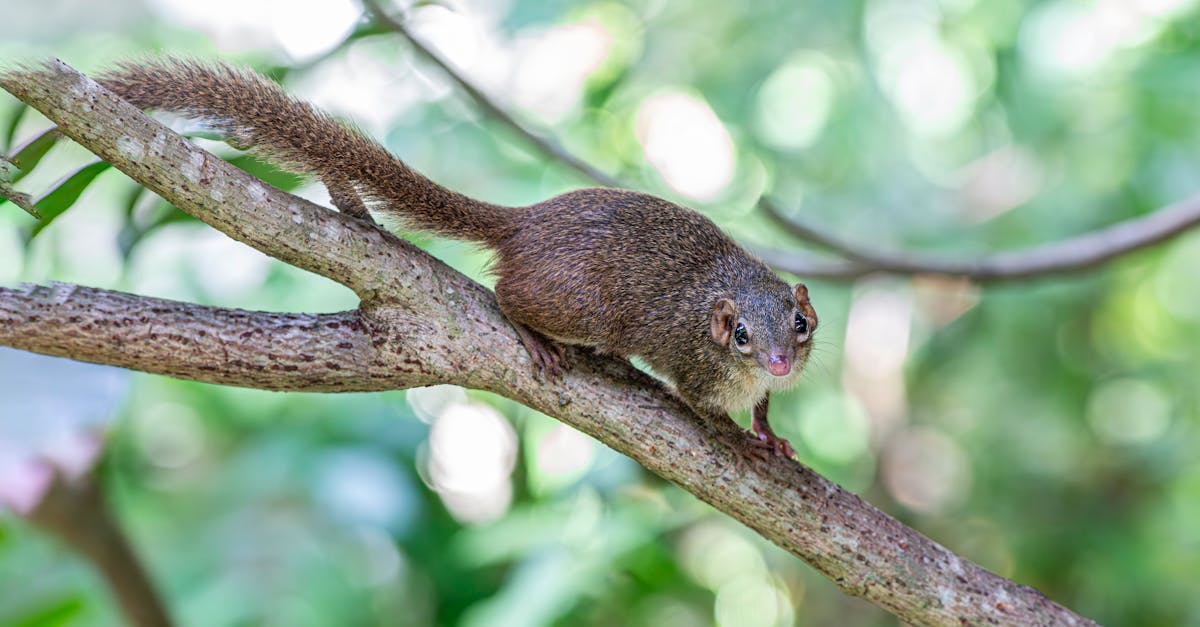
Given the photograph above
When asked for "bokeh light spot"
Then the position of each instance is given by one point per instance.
(926, 471)
(170, 435)
(794, 103)
(1129, 411)
(752, 601)
(552, 68)
(472, 451)
(714, 555)
(686, 143)
(835, 427)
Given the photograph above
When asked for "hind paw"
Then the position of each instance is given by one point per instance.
(549, 357)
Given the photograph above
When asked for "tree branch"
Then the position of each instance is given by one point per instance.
(8, 193)
(423, 317)
(270, 351)
(545, 144)
(1072, 255)
(75, 511)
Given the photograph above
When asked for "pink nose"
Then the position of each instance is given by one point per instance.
(779, 365)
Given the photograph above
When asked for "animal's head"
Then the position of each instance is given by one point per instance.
(769, 327)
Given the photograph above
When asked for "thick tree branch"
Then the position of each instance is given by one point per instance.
(1071, 255)
(1074, 254)
(270, 351)
(424, 317)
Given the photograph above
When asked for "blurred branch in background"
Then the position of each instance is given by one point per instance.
(1075, 254)
(547, 145)
(76, 511)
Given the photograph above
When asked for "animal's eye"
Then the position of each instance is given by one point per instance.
(741, 335)
(801, 323)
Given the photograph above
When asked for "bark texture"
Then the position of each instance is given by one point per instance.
(420, 323)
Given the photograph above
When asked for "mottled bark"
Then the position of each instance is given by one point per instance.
(421, 322)
(269, 351)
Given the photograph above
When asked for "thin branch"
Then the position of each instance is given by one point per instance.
(424, 318)
(810, 232)
(76, 511)
(811, 265)
(7, 192)
(545, 144)
(270, 351)
(1074, 254)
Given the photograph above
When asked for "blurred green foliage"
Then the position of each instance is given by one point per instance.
(1048, 430)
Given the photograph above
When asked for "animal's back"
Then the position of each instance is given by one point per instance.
(611, 268)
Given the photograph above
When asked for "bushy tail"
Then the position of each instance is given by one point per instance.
(257, 114)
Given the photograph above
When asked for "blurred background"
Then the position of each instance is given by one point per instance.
(1048, 430)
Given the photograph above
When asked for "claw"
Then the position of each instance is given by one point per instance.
(764, 437)
(753, 450)
(550, 358)
(768, 443)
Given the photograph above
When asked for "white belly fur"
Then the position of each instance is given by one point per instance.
(753, 386)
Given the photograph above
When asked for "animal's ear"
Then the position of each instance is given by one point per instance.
(724, 313)
(806, 307)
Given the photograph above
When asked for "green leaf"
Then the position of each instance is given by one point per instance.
(130, 232)
(131, 201)
(598, 91)
(205, 134)
(165, 213)
(27, 156)
(59, 612)
(10, 129)
(267, 172)
(64, 193)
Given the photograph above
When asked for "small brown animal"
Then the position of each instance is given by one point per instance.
(623, 272)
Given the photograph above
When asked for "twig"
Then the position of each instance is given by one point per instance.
(7, 192)
(76, 511)
(810, 265)
(548, 146)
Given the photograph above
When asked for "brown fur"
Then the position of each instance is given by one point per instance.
(621, 271)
